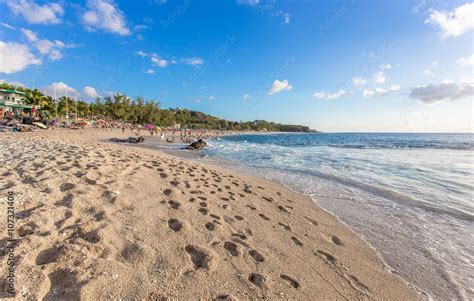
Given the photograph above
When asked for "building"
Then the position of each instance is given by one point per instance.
(12, 101)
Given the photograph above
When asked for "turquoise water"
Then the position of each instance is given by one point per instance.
(409, 195)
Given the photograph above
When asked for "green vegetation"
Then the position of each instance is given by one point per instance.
(140, 111)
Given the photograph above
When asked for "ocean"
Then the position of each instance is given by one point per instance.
(410, 196)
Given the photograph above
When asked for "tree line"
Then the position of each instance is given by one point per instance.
(120, 107)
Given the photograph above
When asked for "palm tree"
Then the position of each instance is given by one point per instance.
(34, 97)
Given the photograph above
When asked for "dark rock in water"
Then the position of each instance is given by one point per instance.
(139, 139)
(197, 145)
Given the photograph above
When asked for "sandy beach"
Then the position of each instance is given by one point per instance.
(99, 221)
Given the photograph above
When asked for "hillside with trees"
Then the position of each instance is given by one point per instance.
(120, 107)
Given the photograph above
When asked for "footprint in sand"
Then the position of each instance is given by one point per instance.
(210, 226)
(174, 204)
(312, 221)
(241, 236)
(109, 196)
(270, 200)
(264, 216)
(217, 217)
(199, 257)
(224, 298)
(66, 186)
(336, 240)
(256, 256)
(132, 252)
(257, 279)
(175, 224)
(232, 248)
(91, 237)
(296, 241)
(291, 281)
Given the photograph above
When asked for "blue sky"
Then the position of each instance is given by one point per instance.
(403, 66)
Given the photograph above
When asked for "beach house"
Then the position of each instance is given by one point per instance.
(12, 101)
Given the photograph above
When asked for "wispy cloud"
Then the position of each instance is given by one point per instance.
(359, 81)
(469, 61)
(378, 91)
(48, 13)
(194, 61)
(159, 61)
(248, 2)
(156, 60)
(7, 26)
(52, 49)
(329, 96)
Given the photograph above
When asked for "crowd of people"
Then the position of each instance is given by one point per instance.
(167, 134)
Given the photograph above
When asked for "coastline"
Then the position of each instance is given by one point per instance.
(298, 249)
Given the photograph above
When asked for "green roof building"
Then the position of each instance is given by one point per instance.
(12, 100)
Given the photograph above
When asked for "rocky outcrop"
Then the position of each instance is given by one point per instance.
(197, 145)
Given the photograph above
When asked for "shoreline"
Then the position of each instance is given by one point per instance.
(333, 261)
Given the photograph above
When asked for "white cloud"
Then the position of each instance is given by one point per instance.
(466, 61)
(279, 86)
(150, 71)
(367, 93)
(60, 88)
(358, 81)
(104, 15)
(7, 25)
(447, 81)
(44, 46)
(286, 18)
(329, 96)
(159, 61)
(248, 2)
(454, 23)
(48, 13)
(378, 91)
(212, 97)
(429, 73)
(90, 92)
(385, 66)
(394, 88)
(246, 97)
(194, 61)
(156, 60)
(15, 57)
(379, 78)
(443, 92)
(141, 54)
